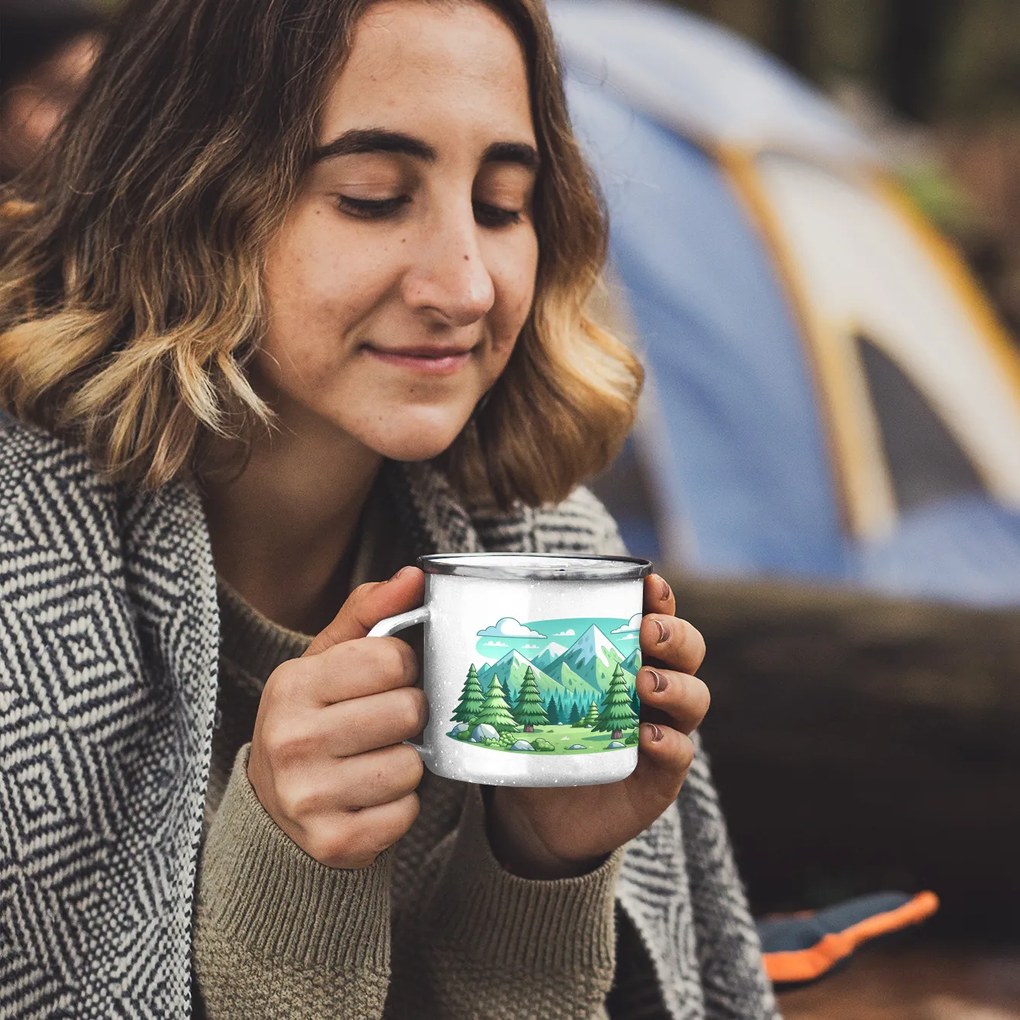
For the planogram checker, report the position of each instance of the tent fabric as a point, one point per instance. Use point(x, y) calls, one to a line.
point(741, 417)
point(770, 276)
point(700, 80)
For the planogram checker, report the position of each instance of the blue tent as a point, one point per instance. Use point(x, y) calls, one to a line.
point(829, 396)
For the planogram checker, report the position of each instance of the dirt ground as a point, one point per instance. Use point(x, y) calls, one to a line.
point(919, 982)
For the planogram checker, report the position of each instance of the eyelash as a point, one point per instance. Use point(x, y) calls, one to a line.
point(382, 208)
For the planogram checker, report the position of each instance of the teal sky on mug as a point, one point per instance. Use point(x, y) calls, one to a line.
point(532, 637)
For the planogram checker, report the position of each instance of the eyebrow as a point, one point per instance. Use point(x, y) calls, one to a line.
point(362, 140)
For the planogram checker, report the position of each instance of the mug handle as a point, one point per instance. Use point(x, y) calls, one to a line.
point(392, 625)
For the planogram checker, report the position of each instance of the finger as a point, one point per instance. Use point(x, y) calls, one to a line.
point(658, 596)
point(365, 724)
point(370, 603)
point(355, 840)
point(676, 699)
point(671, 642)
point(357, 669)
point(381, 777)
point(664, 758)
point(366, 780)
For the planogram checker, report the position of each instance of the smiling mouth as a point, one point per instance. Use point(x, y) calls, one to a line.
point(428, 360)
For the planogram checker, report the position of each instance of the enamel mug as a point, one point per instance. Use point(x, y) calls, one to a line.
point(529, 666)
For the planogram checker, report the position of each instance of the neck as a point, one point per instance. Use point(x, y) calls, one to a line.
point(282, 531)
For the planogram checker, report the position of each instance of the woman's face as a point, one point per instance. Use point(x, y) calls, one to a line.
point(406, 269)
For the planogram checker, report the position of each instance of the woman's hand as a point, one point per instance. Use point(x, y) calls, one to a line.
point(327, 762)
point(553, 833)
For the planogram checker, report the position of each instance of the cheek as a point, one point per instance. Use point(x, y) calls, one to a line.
point(518, 289)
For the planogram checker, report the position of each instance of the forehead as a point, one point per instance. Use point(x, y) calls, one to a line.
point(413, 60)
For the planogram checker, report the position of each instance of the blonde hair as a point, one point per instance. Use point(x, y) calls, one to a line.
point(130, 289)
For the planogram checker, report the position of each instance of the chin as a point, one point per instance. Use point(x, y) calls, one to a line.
point(420, 442)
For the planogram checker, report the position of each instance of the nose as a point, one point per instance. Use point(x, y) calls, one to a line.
point(448, 277)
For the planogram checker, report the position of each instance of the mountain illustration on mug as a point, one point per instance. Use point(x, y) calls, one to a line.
point(552, 687)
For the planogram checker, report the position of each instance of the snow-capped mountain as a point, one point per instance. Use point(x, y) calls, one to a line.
point(548, 654)
point(591, 658)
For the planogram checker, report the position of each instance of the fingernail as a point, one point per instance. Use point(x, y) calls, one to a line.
point(402, 570)
point(660, 681)
point(666, 591)
point(663, 633)
point(655, 732)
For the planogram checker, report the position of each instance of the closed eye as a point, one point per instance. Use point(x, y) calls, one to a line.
point(371, 208)
point(496, 216)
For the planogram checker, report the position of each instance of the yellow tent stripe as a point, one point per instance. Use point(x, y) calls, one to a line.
point(853, 456)
point(987, 325)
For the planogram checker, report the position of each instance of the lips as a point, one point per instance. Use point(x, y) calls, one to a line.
point(432, 359)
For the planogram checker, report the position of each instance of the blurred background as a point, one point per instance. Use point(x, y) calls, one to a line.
point(816, 248)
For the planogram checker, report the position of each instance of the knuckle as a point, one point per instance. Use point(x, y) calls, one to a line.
point(410, 765)
point(361, 591)
point(702, 696)
point(413, 711)
point(332, 847)
point(284, 745)
point(396, 659)
point(299, 803)
point(406, 661)
point(692, 641)
point(282, 682)
point(410, 809)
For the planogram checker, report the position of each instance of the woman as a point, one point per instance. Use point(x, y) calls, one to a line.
point(300, 300)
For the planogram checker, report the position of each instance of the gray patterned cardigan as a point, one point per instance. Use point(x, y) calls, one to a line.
point(108, 675)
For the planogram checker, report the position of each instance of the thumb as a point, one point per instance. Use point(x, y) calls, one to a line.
point(370, 603)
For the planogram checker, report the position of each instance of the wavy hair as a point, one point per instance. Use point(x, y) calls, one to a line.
point(131, 294)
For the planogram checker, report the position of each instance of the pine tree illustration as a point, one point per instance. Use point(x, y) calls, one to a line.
point(553, 711)
point(592, 717)
point(495, 711)
point(617, 714)
point(471, 698)
point(528, 711)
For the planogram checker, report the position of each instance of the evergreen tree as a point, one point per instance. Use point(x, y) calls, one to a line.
point(575, 715)
point(635, 704)
point(495, 711)
point(529, 710)
point(471, 698)
point(553, 711)
point(593, 715)
point(617, 714)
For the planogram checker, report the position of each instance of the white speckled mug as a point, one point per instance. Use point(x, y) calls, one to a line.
point(529, 666)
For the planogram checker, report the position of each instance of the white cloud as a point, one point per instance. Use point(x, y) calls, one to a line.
point(498, 644)
point(566, 633)
point(531, 648)
point(633, 624)
point(509, 627)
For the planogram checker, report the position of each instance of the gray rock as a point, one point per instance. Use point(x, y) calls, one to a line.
point(616, 743)
point(458, 729)
point(578, 747)
point(483, 731)
point(521, 745)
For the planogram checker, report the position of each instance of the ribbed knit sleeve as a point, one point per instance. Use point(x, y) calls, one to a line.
point(277, 933)
point(478, 941)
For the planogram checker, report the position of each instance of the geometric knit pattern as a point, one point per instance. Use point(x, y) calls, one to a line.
point(109, 639)
point(108, 655)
